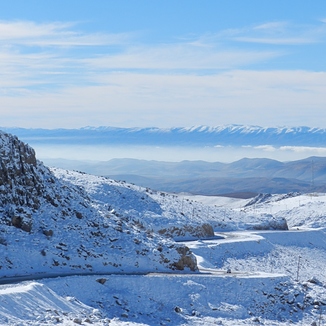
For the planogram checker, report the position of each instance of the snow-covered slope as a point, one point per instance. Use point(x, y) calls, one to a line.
point(299, 210)
point(154, 300)
point(171, 215)
point(49, 225)
point(33, 303)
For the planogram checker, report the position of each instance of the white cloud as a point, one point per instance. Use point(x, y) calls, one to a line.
point(20, 30)
point(276, 25)
point(185, 83)
point(45, 57)
point(281, 33)
point(181, 56)
point(53, 56)
point(266, 148)
point(277, 40)
point(138, 99)
point(305, 149)
point(54, 34)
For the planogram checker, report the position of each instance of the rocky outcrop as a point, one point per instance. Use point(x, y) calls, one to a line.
point(186, 260)
point(188, 232)
point(25, 184)
point(20, 184)
point(271, 223)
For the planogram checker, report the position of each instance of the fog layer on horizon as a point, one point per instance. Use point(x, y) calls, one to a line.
point(225, 154)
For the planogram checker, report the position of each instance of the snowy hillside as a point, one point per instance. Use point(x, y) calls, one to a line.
point(50, 226)
point(79, 249)
point(164, 213)
point(276, 278)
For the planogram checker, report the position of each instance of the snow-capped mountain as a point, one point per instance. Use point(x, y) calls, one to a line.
point(233, 135)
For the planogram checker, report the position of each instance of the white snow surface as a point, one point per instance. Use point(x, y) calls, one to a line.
point(159, 210)
point(110, 258)
point(277, 277)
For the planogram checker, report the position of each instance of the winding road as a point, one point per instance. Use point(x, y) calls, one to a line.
point(225, 238)
point(221, 238)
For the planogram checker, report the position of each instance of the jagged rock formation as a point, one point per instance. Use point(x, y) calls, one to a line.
point(21, 184)
point(27, 186)
point(48, 224)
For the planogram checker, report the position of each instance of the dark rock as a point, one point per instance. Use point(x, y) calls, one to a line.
point(177, 309)
point(187, 260)
point(101, 280)
point(48, 233)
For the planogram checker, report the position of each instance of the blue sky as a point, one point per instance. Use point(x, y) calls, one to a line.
point(127, 63)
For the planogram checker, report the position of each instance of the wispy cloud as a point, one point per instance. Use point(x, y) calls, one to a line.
point(21, 30)
point(41, 51)
point(180, 56)
point(54, 34)
point(279, 26)
point(129, 98)
point(56, 74)
point(278, 40)
point(58, 54)
point(49, 55)
point(305, 149)
point(266, 148)
point(280, 33)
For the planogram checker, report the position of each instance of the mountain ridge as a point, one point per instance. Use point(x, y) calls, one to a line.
point(224, 135)
point(246, 175)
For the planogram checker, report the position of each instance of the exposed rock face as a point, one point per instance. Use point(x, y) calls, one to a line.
point(25, 184)
point(186, 260)
point(272, 223)
point(189, 231)
point(20, 183)
point(17, 161)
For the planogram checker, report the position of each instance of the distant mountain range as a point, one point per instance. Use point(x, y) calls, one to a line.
point(243, 178)
point(228, 135)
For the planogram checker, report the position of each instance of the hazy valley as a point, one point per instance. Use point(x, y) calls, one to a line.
point(243, 178)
